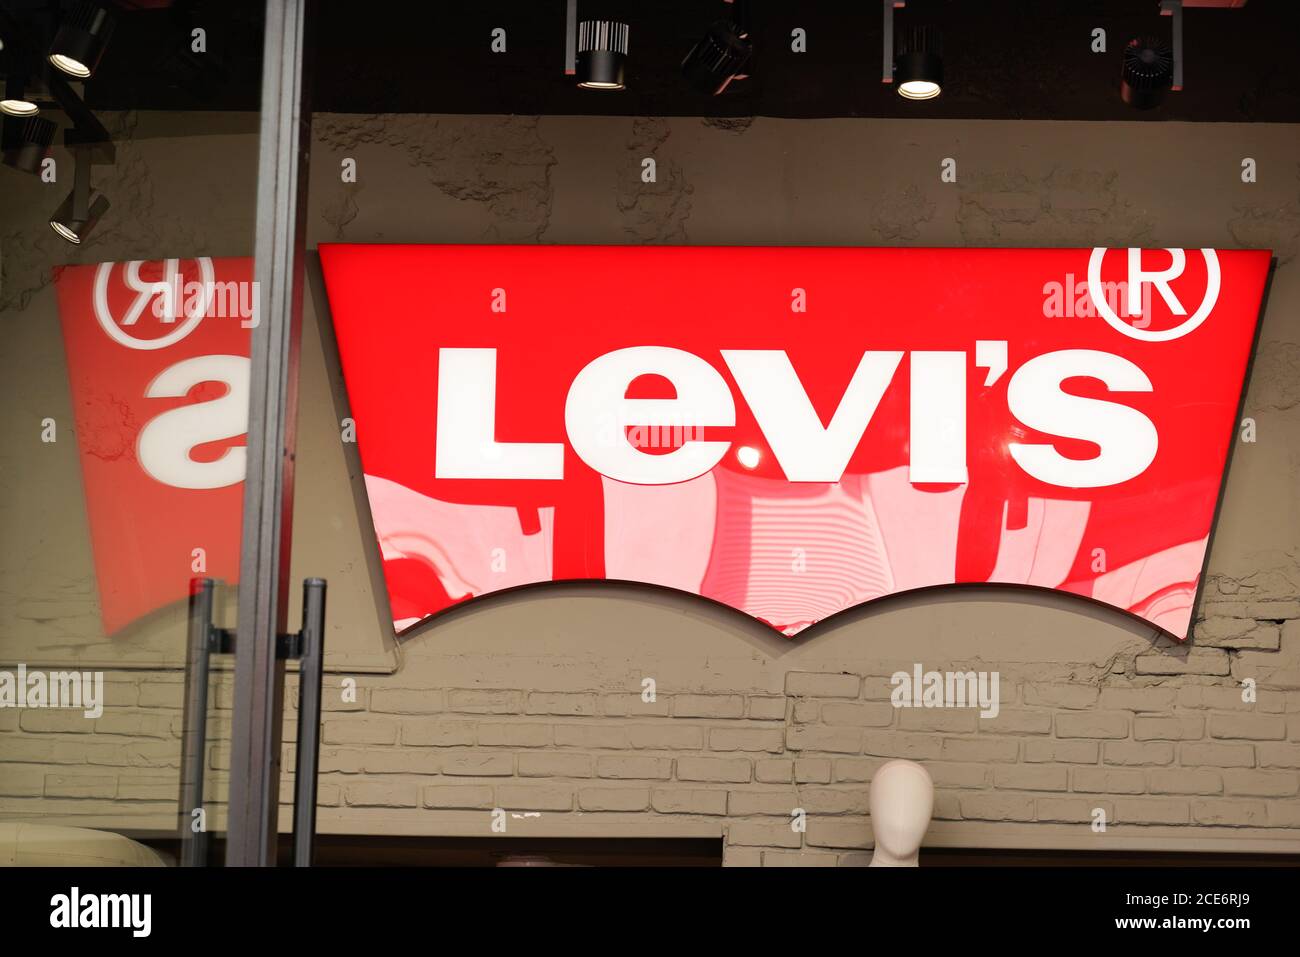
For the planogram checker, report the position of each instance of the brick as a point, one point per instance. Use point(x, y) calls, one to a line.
point(812, 771)
point(636, 767)
point(137, 724)
point(837, 832)
point(614, 799)
point(953, 720)
point(1037, 778)
point(708, 706)
point(691, 768)
point(766, 708)
point(1168, 727)
point(870, 714)
point(56, 721)
point(856, 770)
point(666, 737)
point(1184, 781)
point(1224, 632)
point(478, 764)
point(555, 764)
point(839, 740)
point(762, 834)
point(1137, 753)
point(542, 702)
point(1193, 754)
point(514, 735)
point(359, 731)
point(1151, 811)
point(593, 736)
point(763, 803)
point(405, 701)
point(689, 801)
point(459, 797)
point(534, 797)
point(631, 705)
point(484, 701)
point(1253, 727)
point(947, 775)
point(1013, 721)
point(1193, 661)
point(774, 771)
point(437, 732)
point(833, 800)
point(806, 712)
point(1230, 813)
point(805, 684)
point(1061, 696)
point(902, 744)
point(23, 782)
point(979, 749)
point(800, 859)
point(1107, 781)
point(997, 807)
point(735, 856)
point(1137, 699)
point(1065, 752)
point(400, 761)
point(1092, 724)
point(747, 739)
point(385, 794)
point(1063, 810)
point(1261, 783)
point(1276, 755)
point(81, 785)
point(1221, 699)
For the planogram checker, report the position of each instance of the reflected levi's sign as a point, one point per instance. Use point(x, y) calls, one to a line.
point(794, 431)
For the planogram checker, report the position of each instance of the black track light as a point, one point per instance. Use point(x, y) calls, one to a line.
point(1146, 72)
point(82, 208)
point(16, 101)
point(602, 54)
point(82, 39)
point(26, 141)
point(918, 65)
point(721, 54)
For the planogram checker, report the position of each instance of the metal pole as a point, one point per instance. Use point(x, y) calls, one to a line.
point(310, 672)
point(194, 843)
point(273, 392)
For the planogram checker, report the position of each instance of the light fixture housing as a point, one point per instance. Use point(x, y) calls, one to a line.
point(16, 102)
point(82, 208)
point(25, 142)
point(602, 54)
point(82, 39)
point(918, 65)
point(1146, 72)
point(718, 58)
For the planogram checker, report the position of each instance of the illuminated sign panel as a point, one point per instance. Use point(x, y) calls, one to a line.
point(794, 431)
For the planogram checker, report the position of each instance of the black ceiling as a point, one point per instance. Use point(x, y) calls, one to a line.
point(1003, 59)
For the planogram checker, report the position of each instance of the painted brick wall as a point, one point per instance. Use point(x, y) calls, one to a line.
point(534, 705)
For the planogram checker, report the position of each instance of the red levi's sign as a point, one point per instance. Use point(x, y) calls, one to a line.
point(158, 368)
point(794, 431)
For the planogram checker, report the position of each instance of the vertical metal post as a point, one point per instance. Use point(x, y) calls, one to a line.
point(887, 38)
point(311, 667)
point(1174, 9)
point(570, 37)
point(194, 844)
point(272, 409)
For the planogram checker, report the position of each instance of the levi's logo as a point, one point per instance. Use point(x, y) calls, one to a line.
point(597, 412)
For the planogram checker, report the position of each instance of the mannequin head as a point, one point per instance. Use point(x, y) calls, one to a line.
point(901, 800)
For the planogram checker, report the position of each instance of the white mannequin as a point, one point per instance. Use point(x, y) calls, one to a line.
point(901, 799)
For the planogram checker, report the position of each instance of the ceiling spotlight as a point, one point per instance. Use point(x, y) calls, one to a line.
point(602, 54)
point(918, 67)
point(1146, 73)
point(15, 102)
point(721, 54)
point(82, 39)
point(82, 208)
point(26, 142)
